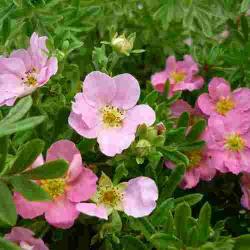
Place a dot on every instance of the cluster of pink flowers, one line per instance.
(227, 134)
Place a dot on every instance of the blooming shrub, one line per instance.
(101, 147)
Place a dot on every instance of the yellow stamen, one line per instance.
(235, 143)
(54, 187)
(112, 116)
(31, 80)
(178, 76)
(195, 158)
(224, 105)
(110, 196)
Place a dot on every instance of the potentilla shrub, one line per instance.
(102, 148)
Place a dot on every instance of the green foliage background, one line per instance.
(76, 30)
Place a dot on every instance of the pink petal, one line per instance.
(38, 162)
(24, 56)
(10, 83)
(29, 209)
(193, 84)
(219, 87)
(127, 91)
(63, 149)
(88, 113)
(75, 168)
(170, 64)
(206, 104)
(13, 66)
(190, 64)
(158, 80)
(241, 98)
(62, 213)
(77, 123)
(140, 114)
(83, 187)
(181, 106)
(99, 89)
(92, 209)
(114, 141)
(191, 179)
(140, 197)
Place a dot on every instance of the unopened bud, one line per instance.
(122, 44)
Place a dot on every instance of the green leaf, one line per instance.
(28, 154)
(191, 199)
(18, 111)
(172, 182)
(244, 5)
(29, 189)
(143, 225)
(7, 245)
(183, 120)
(244, 26)
(120, 172)
(196, 130)
(181, 216)
(8, 214)
(151, 98)
(176, 135)
(242, 242)
(204, 222)
(160, 214)
(169, 224)
(28, 123)
(3, 152)
(162, 240)
(132, 243)
(50, 170)
(193, 237)
(176, 157)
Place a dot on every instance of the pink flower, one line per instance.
(221, 100)
(107, 110)
(79, 184)
(24, 238)
(182, 75)
(25, 70)
(199, 168)
(245, 187)
(228, 141)
(136, 198)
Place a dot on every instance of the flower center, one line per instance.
(112, 116)
(178, 76)
(54, 187)
(110, 196)
(224, 105)
(30, 79)
(235, 143)
(195, 158)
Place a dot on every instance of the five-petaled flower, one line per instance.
(79, 184)
(136, 198)
(25, 70)
(107, 110)
(181, 75)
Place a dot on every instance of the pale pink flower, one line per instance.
(228, 142)
(107, 110)
(25, 239)
(220, 99)
(199, 168)
(79, 184)
(25, 70)
(245, 187)
(182, 75)
(136, 198)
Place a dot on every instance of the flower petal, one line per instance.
(24, 56)
(83, 187)
(62, 213)
(29, 209)
(219, 87)
(99, 89)
(13, 66)
(114, 141)
(127, 91)
(92, 209)
(63, 149)
(205, 104)
(140, 197)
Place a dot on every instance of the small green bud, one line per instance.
(122, 44)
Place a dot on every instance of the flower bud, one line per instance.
(143, 147)
(122, 44)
